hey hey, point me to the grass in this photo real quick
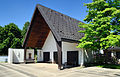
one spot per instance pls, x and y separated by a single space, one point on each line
3 62
109 66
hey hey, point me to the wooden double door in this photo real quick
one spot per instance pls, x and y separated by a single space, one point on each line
46 57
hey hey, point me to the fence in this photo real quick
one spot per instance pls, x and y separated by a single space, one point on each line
3 58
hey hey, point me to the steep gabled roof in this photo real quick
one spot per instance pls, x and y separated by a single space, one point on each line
62 26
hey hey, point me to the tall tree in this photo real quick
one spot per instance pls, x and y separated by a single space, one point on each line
1 34
103 28
10 37
24 30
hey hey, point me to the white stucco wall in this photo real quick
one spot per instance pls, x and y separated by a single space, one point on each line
18 55
50 43
15 55
49 46
30 51
66 46
10 56
39 55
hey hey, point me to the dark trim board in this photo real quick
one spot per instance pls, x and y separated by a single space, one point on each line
59 48
69 40
72 58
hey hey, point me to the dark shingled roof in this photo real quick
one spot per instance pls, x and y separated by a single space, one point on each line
62 26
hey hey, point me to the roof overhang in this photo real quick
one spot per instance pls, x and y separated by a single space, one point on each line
44 20
69 40
37 32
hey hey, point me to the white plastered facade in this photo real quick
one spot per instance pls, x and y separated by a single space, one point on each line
50 46
67 46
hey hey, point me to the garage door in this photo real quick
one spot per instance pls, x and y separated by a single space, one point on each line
46 56
72 58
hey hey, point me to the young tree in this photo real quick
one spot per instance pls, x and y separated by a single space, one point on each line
103 28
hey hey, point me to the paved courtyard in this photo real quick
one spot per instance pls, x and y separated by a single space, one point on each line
50 70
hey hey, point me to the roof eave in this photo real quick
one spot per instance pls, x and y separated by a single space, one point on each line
28 30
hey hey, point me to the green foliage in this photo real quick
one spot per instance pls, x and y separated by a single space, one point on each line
103 28
16 43
7 38
25 30
11 37
112 66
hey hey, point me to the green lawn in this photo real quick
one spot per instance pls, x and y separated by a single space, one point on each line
109 66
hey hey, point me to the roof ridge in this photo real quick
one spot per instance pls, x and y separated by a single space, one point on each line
62 26
59 12
49 22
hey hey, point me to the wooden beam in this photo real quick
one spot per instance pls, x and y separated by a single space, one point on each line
59 48
25 49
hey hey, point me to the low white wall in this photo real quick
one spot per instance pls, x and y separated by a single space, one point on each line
10 55
66 46
30 51
18 55
39 55
15 55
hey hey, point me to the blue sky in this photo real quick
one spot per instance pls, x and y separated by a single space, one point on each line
20 11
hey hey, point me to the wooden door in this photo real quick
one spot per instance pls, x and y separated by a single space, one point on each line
72 58
46 56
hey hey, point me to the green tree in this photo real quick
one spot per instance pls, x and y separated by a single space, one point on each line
103 28
24 30
1 34
10 37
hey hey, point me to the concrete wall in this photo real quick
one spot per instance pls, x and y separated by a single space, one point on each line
50 43
66 46
17 55
10 55
30 51
49 46
39 55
